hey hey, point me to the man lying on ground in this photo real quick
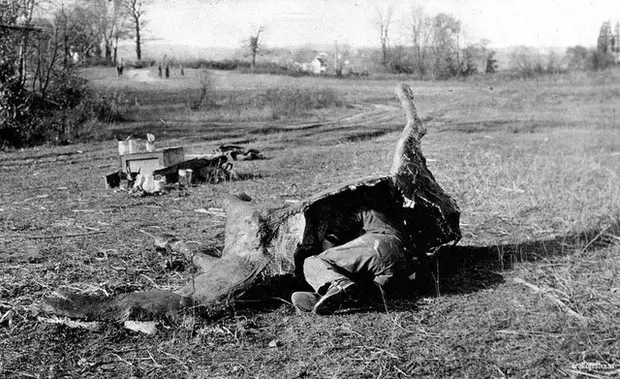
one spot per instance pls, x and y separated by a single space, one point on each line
377 254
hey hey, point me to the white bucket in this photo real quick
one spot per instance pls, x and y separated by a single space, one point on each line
123 147
185 177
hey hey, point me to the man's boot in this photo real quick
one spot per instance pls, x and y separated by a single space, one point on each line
337 293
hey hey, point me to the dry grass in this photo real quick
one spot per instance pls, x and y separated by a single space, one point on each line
532 290
269 104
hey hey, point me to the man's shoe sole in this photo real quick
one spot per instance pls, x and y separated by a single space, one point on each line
328 304
304 301
333 299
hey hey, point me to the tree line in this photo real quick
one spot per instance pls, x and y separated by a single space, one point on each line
605 54
430 46
436 47
88 29
527 62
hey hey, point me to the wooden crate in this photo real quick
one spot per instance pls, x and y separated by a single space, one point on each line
151 161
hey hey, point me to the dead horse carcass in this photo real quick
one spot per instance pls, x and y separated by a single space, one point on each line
266 241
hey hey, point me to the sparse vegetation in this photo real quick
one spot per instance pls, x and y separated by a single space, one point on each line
272 103
226 64
105 108
279 102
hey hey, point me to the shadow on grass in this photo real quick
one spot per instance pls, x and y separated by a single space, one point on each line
456 270
466 269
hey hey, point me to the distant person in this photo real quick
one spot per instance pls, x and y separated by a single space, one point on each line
159 70
369 248
119 68
182 72
167 71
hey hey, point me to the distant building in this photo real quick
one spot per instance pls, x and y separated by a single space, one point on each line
319 64
316 66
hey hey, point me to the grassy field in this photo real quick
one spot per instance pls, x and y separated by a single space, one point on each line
532 290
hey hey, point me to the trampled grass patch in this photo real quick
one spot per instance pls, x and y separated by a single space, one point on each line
532 290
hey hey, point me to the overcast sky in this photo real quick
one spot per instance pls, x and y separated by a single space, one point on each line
225 23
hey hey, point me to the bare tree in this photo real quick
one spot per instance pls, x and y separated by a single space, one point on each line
254 44
116 28
445 45
15 30
33 78
605 38
527 61
436 46
135 11
110 24
383 22
421 33
603 56
475 59
83 25
341 58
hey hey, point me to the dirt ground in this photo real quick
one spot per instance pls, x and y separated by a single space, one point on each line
532 290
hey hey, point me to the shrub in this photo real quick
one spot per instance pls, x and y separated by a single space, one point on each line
599 60
19 115
79 122
581 58
58 115
102 107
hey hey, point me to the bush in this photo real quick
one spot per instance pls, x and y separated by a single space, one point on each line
599 60
57 115
102 107
19 114
583 59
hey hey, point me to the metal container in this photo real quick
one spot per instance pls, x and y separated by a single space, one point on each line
185 177
133 146
123 147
